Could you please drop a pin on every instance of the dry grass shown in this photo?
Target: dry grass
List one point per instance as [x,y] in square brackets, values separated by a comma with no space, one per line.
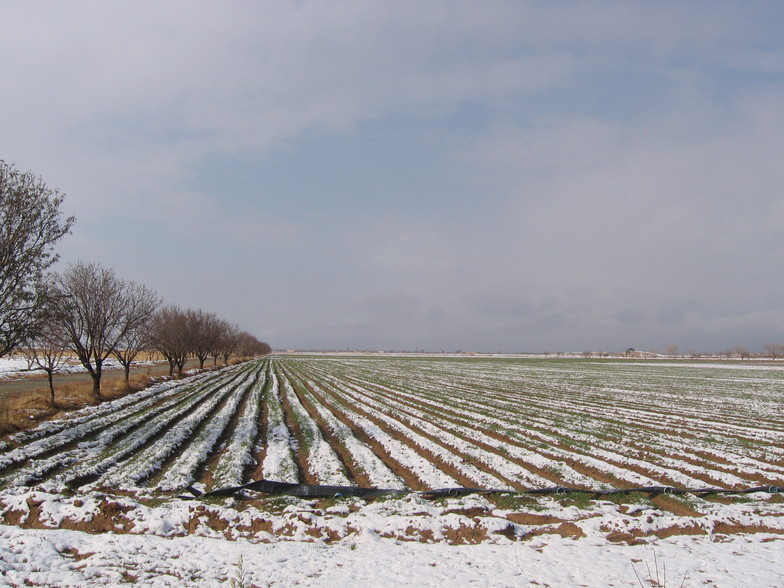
[23,410]
[4,411]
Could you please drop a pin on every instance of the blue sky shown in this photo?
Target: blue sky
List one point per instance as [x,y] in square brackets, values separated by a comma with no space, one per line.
[513,176]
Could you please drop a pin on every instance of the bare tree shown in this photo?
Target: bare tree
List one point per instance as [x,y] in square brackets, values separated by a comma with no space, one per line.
[47,351]
[250,346]
[229,342]
[141,303]
[671,350]
[178,334]
[743,352]
[263,348]
[774,350]
[94,314]
[30,226]
[206,330]
[169,335]
[225,343]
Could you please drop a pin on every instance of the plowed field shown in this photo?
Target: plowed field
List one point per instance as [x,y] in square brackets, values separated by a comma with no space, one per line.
[418,423]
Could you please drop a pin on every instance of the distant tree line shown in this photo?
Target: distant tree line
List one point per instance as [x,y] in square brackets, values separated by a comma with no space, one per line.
[179,334]
[87,309]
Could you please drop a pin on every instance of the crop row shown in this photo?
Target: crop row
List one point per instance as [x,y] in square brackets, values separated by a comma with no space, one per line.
[421,423]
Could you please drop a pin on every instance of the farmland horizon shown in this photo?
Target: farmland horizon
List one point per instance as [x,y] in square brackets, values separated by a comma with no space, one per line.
[628,353]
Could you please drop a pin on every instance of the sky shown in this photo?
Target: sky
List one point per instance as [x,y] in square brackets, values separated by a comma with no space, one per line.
[446,175]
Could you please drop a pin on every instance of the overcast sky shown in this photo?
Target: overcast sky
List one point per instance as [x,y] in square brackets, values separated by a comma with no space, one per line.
[485,176]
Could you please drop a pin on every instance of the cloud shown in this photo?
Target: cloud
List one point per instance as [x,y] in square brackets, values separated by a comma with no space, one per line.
[503,176]
[630,315]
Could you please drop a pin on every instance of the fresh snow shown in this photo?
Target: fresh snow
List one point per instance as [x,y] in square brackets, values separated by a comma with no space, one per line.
[58,557]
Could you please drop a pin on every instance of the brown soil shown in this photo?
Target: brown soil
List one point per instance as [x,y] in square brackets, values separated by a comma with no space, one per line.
[632,538]
[206,420]
[305,474]
[430,456]
[465,534]
[472,512]
[566,529]
[675,505]
[204,473]
[110,518]
[677,530]
[722,528]
[404,473]
[354,469]
[527,518]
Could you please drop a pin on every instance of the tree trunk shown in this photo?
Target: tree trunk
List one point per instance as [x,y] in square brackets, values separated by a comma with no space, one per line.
[96,375]
[50,373]
[127,367]
[96,386]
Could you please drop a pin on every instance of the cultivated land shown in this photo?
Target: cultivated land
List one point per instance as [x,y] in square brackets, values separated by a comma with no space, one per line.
[411,424]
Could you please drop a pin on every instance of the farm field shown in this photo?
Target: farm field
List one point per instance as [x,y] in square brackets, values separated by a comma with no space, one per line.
[412,424]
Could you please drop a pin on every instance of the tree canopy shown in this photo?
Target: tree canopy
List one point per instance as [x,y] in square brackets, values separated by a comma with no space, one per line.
[31,223]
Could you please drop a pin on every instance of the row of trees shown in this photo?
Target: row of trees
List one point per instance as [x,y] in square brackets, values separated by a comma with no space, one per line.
[87,309]
[179,334]
[772,351]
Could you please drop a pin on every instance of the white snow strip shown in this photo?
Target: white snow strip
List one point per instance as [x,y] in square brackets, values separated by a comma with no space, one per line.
[323,462]
[180,473]
[237,454]
[380,475]
[278,461]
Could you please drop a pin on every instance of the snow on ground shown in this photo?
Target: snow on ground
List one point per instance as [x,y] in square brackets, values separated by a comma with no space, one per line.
[408,541]
[90,537]
[12,365]
[73,558]
[16,366]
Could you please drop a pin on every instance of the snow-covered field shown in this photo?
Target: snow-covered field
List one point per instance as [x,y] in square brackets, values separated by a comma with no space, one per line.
[93,498]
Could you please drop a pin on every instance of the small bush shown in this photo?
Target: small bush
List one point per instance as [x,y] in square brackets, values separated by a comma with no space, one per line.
[515,501]
[578,499]
[656,576]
